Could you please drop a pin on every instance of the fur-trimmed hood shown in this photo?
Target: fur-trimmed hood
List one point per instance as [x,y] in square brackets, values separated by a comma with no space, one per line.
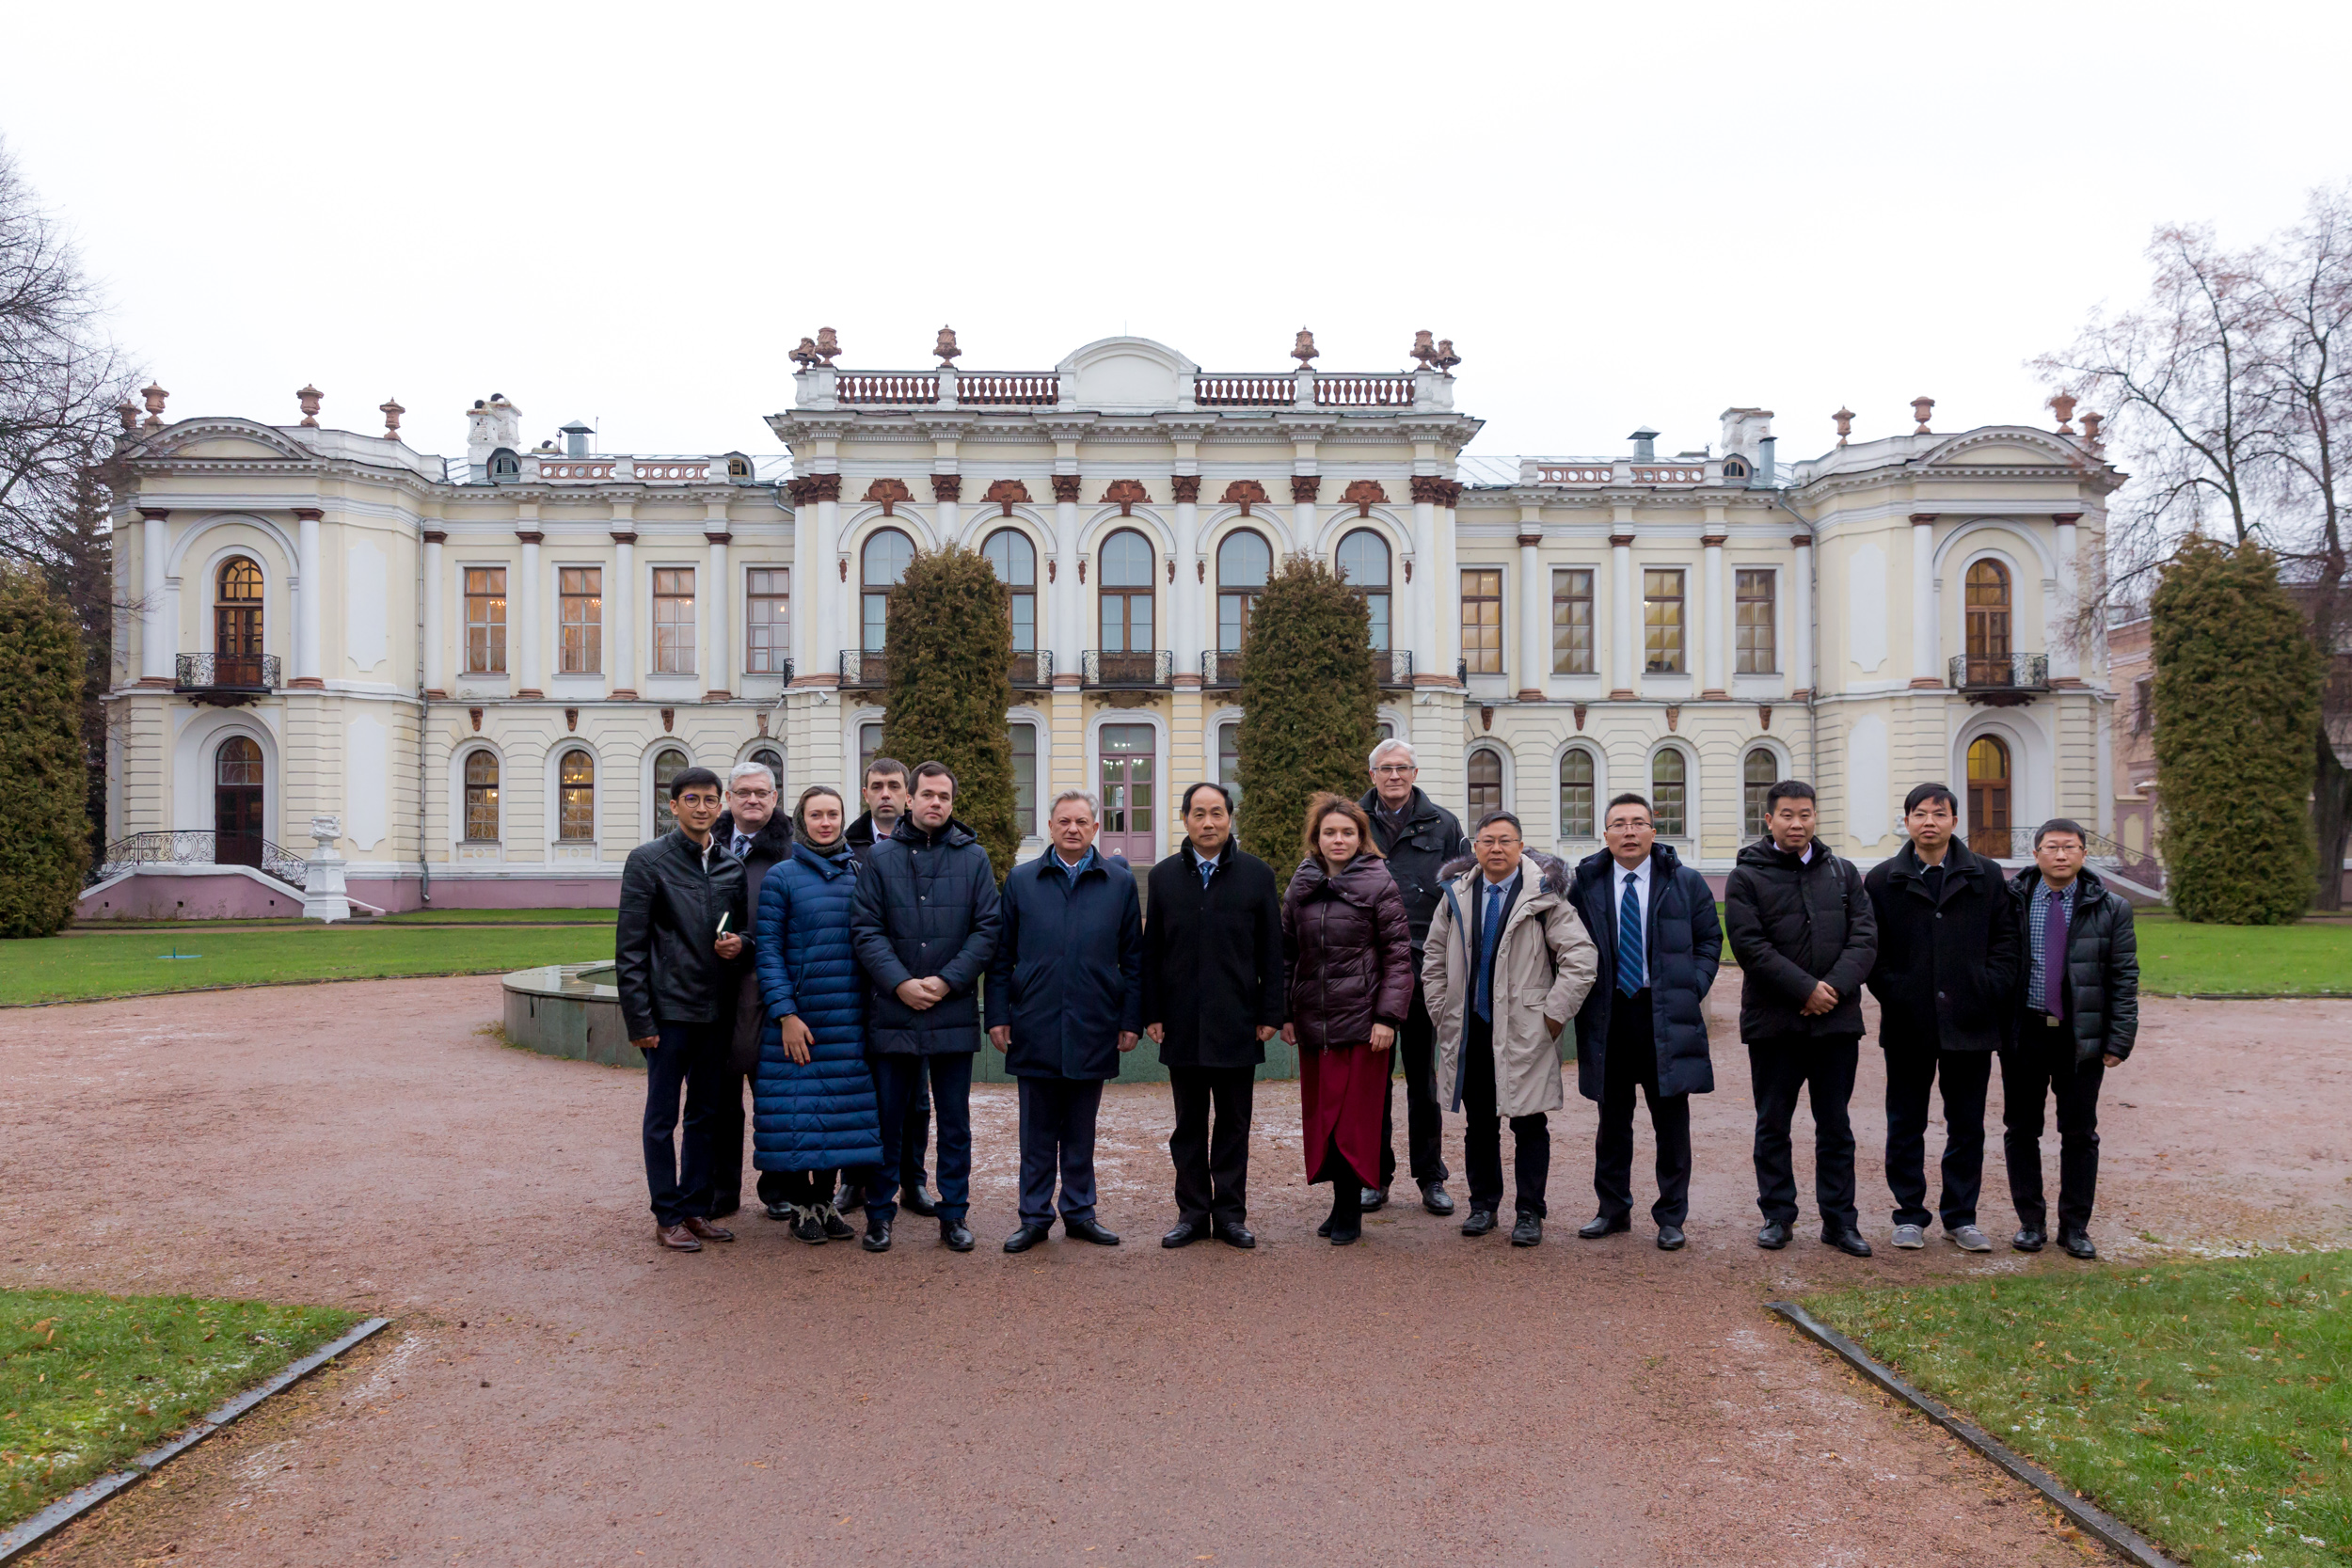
[1554,869]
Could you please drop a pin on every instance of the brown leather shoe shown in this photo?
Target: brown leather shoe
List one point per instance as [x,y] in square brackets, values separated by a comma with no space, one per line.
[708,1232]
[676,1237]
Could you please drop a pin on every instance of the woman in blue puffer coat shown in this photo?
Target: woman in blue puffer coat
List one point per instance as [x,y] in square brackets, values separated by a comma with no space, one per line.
[813,1108]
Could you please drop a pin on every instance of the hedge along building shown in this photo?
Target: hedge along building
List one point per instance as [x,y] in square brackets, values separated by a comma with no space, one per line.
[486,668]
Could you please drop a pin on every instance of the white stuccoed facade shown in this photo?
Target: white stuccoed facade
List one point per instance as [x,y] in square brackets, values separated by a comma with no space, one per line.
[1559,630]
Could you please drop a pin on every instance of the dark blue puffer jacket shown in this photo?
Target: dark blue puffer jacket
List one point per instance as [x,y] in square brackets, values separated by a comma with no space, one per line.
[818,1115]
[1682,949]
[926,910]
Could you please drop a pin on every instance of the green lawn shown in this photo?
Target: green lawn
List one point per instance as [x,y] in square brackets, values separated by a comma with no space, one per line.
[86,1381]
[2207,1404]
[501,917]
[135,963]
[2312,958]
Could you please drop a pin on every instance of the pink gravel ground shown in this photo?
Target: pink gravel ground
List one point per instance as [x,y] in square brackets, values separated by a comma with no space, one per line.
[556,1390]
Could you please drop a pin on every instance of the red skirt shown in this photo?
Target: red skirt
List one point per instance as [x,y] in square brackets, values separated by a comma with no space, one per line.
[1341,1094]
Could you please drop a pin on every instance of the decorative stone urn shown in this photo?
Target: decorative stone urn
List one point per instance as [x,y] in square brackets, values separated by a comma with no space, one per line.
[323,893]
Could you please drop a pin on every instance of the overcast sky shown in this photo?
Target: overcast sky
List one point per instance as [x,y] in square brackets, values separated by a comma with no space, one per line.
[1620,214]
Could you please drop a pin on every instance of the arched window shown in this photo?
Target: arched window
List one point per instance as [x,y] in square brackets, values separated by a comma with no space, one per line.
[482,798]
[1576,793]
[237,803]
[237,623]
[1668,794]
[1758,772]
[1988,625]
[1242,564]
[1988,793]
[667,765]
[1126,594]
[881,567]
[1014,560]
[1485,784]
[505,468]
[1364,561]
[576,795]
[774,762]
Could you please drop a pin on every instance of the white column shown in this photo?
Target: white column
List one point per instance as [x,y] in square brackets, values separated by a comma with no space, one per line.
[810,591]
[1425,592]
[1068,595]
[1923,640]
[836,597]
[620,611]
[435,658]
[1800,620]
[2059,616]
[1186,633]
[1534,616]
[718,601]
[306,592]
[1449,584]
[155,619]
[1302,528]
[524,656]
[1716,655]
[1403,625]
[1623,681]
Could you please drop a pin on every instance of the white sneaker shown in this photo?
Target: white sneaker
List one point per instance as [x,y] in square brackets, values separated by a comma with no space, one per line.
[1910,1237]
[1969,1239]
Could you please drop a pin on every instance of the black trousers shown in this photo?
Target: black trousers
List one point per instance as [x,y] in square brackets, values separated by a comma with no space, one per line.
[1424,1127]
[1911,1071]
[1482,1137]
[691,1057]
[1630,1062]
[1212,1158]
[805,1189]
[914,1141]
[898,1077]
[1058,1137]
[727,1153]
[1780,1069]
[2029,1072]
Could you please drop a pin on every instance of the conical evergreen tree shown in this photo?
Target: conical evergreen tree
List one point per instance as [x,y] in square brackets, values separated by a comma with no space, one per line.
[951,646]
[44,823]
[1309,706]
[2237,702]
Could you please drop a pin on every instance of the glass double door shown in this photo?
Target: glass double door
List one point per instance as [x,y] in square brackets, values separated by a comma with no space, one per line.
[1128,778]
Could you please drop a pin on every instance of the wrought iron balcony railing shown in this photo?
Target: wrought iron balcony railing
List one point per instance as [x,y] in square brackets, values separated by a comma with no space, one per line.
[2101,853]
[1117,667]
[1392,667]
[868,667]
[198,847]
[1033,668]
[1993,678]
[240,675]
[1221,668]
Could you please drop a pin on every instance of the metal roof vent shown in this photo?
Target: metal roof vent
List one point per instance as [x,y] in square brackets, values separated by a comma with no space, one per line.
[1645,445]
[576,437]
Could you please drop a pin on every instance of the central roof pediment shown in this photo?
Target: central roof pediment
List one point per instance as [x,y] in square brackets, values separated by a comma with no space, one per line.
[1122,374]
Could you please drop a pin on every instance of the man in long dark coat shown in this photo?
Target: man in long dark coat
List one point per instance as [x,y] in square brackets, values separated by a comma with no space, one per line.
[1211,998]
[759,835]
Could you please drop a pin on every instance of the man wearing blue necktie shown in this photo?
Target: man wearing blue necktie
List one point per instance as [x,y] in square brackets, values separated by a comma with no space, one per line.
[1642,1025]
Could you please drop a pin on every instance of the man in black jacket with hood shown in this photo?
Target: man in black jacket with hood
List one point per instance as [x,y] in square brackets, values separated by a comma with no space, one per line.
[1803,929]
[924,925]
[1947,959]
[1420,838]
[759,835]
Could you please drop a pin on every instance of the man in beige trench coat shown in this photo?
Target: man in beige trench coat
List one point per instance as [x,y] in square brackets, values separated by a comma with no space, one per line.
[1507,965]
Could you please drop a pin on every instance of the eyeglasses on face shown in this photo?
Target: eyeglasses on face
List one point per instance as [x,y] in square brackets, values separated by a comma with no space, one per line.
[1488,841]
[1396,767]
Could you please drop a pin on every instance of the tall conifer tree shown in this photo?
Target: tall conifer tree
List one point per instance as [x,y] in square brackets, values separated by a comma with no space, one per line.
[949,640]
[44,824]
[1309,706]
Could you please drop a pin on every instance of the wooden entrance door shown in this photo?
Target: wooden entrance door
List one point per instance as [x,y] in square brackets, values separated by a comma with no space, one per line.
[237,627]
[1128,778]
[1988,797]
[238,821]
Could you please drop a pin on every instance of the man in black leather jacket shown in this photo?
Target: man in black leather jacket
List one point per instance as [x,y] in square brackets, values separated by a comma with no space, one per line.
[678,950]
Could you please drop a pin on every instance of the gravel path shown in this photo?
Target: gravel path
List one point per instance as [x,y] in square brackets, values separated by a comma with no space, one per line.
[558,1391]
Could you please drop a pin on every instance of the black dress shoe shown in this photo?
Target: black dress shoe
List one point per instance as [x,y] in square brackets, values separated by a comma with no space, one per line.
[1373,1198]
[1670,1238]
[1435,1198]
[850,1199]
[1480,1222]
[1024,1238]
[1090,1230]
[877,1235]
[2077,1245]
[956,1235]
[1601,1225]
[1186,1233]
[1772,1237]
[780,1211]
[2028,1239]
[1348,1234]
[1529,1231]
[915,1200]
[1236,1234]
[1847,1241]
[1325,1229]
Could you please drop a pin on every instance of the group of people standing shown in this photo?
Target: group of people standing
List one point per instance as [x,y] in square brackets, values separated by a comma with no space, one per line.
[849,972]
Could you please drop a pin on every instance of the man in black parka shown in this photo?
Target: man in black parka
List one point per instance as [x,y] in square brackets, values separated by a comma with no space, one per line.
[1946,963]
[759,835]
[1804,934]
[925,924]
[1420,838]
[1211,997]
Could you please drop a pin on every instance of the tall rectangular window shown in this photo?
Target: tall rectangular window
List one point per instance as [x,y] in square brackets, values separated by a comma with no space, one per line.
[1572,623]
[673,620]
[2144,705]
[1756,650]
[1024,780]
[1662,623]
[582,620]
[1229,760]
[485,620]
[767,636]
[1481,621]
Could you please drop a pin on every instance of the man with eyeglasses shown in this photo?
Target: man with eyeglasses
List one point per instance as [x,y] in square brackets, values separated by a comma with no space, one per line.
[760,836]
[1419,837]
